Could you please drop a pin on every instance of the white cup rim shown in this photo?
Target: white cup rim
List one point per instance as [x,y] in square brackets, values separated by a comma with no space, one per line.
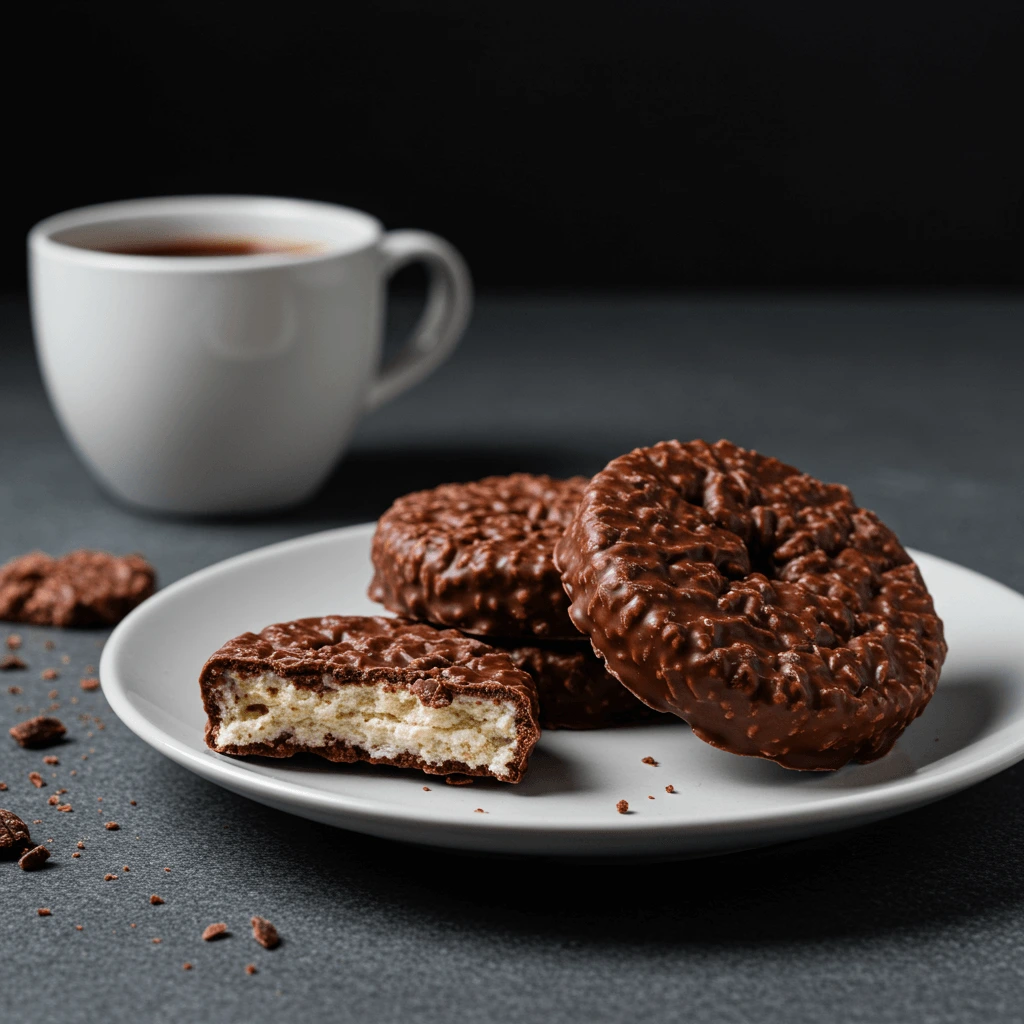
[355,231]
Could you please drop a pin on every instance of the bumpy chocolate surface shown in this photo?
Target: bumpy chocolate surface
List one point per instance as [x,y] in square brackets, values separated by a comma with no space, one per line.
[437,665]
[477,556]
[762,606]
[576,691]
[84,588]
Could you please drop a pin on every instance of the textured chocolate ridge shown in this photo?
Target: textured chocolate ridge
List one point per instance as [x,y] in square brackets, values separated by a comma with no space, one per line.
[478,556]
[435,665]
[760,605]
[576,691]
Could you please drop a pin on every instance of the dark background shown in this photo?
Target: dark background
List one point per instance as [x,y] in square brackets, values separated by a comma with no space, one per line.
[682,144]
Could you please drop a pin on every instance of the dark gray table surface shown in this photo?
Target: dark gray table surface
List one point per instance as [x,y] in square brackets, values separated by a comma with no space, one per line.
[915,403]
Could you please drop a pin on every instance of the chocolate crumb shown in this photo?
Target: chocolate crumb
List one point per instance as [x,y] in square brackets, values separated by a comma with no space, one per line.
[111,826]
[13,641]
[459,780]
[40,731]
[250,968]
[11,663]
[51,759]
[34,859]
[43,911]
[89,684]
[36,779]
[64,808]
[155,900]
[649,760]
[14,836]
[126,868]
[54,800]
[264,932]
[670,789]
[214,931]
[622,807]
[49,673]
[108,877]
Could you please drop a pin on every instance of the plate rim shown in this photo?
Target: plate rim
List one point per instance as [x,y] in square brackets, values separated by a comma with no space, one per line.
[873,801]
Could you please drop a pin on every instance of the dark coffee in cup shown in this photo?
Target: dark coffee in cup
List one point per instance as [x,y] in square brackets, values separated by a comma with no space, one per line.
[208,245]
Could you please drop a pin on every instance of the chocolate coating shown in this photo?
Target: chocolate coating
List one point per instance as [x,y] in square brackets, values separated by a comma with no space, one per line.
[477,556]
[576,691]
[762,606]
[84,588]
[436,665]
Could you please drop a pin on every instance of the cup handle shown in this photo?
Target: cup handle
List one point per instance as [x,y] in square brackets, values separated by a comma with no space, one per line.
[449,302]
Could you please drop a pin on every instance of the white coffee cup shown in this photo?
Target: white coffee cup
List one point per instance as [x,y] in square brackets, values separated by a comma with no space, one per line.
[227,383]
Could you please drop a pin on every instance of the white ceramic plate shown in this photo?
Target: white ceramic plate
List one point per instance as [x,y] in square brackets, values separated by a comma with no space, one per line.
[973,728]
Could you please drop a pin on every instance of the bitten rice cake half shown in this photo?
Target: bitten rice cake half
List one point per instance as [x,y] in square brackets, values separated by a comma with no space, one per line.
[383,690]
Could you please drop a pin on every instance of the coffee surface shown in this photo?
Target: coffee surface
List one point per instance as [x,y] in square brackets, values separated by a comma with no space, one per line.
[208,245]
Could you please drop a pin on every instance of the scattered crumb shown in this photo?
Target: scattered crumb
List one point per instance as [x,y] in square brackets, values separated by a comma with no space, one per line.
[214,931]
[111,826]
[36,779]
[99,799]
[49,673]
[108,877]
[13,641]
[78,927]
[51,759]
[11,663]
[649,797]
[250,968]
[459,780]
[264,932]
[132,802]
[186,966]
[622,807]
[167,869]
[34,859]
[49,645]
[426,789]
[479,810]
[80,844]
[64,808]
[90,683]
[670,789]
[54,800]
[15,690]
[37,821]
[133,925]
[76,855]
[65,659]
[126,868]
[649,760]
[73,771]
[40,731]
[43,911]
[155,900]
[52,695]
[3,786]
[156,942]
[61,792]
